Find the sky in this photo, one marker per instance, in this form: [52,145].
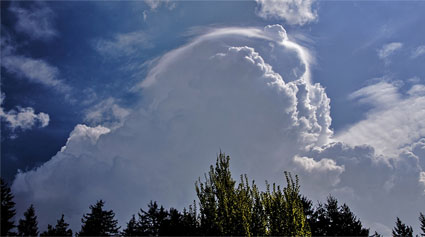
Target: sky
[130,101]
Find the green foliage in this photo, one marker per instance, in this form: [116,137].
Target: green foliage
[28,225]
[99,222]
[7,210]
[61,229]
[402,230]
[422,221]
[243,210]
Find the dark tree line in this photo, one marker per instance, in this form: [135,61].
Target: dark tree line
[225,208]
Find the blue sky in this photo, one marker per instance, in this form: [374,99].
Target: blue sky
[344,79]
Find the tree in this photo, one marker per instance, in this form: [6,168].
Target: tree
[223,208]
[61,229]
[7,209]
[28,225]
[132,228]
[284,209]
[402,230]
[422,220]
[227,209]
[99,222]
[332,220]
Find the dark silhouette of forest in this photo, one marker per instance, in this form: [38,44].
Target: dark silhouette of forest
[224,207]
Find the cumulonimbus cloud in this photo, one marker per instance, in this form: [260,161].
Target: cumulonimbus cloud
[247,91]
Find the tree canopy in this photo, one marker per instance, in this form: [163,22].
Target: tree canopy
[29,225]
[7,210]
[99,222]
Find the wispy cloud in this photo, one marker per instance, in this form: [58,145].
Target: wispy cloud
[294,12]
[123,44]
[34,70]
[36,21]
[419,51]
[389,49]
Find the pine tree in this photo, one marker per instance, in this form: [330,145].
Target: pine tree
[7,209]
[150,221]
[61,229]
[132,228]
[333,220]
[402,230]
[28,225]
[422,220]
[99,222]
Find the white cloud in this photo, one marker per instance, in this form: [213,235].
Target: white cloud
[294,12]
[389,49]
[422,179]
[107,112]
[36,22]
[379,94]
[154,4]
[394,121]
[22,118]
[247,91]
[222,90]
[123,44]
[34,70]
[419,51]
[324,165]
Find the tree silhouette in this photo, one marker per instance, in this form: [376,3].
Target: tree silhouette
[99,222]
[422,220]
[61,229]
[7,209]
[132,228]
[402,230]
[28,225]
[332,220]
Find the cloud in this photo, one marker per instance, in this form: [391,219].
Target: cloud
[36,22]
[22,118]
[34,70]
[419,51]
[154,4]
[249,92]
[370,180]
[394,121]
[107,112]
[294,12]
[389,49]
[221,90]
[123,44]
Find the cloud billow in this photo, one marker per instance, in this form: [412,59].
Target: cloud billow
[246,91]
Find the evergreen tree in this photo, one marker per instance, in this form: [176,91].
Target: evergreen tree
[150,221]
[7,209]
[422,220]
[333,220]
[99,222]
[402,230]
[132,228]
[28,225]
[61,229]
